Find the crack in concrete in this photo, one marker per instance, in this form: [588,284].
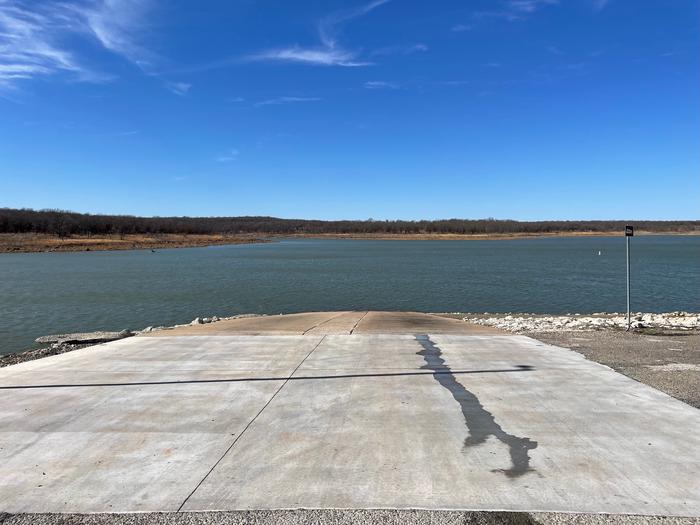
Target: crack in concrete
[479,421]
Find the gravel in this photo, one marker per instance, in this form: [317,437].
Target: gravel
[38,353]
[666,360]
[601,321]
[339,517]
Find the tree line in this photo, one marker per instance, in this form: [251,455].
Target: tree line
[66,223]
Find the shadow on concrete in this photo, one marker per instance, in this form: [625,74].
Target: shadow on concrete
[479,421]
[446,371]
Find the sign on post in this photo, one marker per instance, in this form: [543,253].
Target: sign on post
[629,232]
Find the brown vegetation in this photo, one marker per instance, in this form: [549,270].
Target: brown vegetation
[64,223]
[33,242]
[55,230]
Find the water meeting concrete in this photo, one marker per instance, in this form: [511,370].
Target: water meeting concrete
[341,419]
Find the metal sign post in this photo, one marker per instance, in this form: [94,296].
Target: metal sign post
[629,232]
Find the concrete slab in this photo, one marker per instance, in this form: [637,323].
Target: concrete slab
[333,323]
[342,323]
[419,323]
[292,324]
[381,421]
[131,425]
[440,421]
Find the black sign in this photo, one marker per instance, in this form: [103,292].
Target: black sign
[629,231]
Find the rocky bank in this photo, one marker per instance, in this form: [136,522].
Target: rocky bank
[578,322]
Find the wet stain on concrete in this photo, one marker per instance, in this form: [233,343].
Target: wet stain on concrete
[479,421]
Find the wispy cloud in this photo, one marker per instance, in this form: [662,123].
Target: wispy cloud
[529,6]
[329,27]
[599,5]
[329,53]
[513,10]
[31,44]
[285,100]
[410,85]
[179,88]
[229,157]
[120,25]
[400,50]
[318,56]
[380,84]
[35,38]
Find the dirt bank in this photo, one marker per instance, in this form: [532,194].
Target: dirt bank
[20,243]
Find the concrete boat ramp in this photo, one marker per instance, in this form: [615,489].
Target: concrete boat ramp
[340,410]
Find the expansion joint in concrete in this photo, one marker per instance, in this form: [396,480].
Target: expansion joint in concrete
[322,323]
[233,444]
[358,322]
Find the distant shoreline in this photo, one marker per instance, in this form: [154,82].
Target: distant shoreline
[33,243]
[468,236]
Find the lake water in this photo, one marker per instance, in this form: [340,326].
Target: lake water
[46,293]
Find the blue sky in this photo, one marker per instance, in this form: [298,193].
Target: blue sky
[522,109]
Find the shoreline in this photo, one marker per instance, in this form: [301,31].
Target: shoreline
[670,323]
[664,352]
[39,243]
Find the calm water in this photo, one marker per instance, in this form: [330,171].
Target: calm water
[61,292]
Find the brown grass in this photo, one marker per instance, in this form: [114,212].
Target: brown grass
[469,237]
[49,243]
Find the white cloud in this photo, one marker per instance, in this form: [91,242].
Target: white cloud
[35,36]
[329,53]
[516,9]
[285,100]
[529,6]
[379,84]
[119,25]
[328,28]
[179,88]
[318,56]
[30,43]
